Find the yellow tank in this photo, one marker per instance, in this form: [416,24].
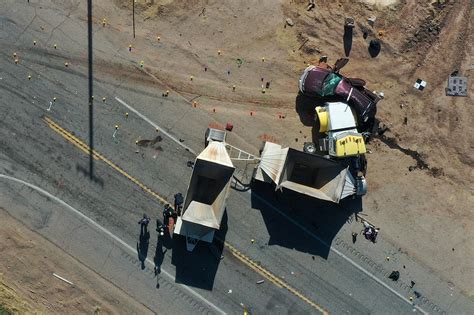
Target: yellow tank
[323,119]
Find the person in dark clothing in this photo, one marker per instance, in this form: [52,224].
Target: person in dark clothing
[142,245]
[370,232]
[144,223]
[178,203]
[167,213]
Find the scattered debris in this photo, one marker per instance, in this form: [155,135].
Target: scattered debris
[371,20]
[412,284]
[304,43]
[190,164]
[310,6]
[230,291]
[146,142]
[417,294]
[289,22]
[420,84]
[203,12]
[395,275]
[63,279]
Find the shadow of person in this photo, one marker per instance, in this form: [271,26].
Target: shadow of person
[142,245]
[159,255]
[374,48]
[347,40]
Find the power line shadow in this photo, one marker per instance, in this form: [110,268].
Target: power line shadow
[86,173]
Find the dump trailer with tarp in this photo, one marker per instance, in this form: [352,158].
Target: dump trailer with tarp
[205,201]
[309,174]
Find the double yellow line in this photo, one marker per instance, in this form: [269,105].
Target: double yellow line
[85,148]
[240,256]
[271,277]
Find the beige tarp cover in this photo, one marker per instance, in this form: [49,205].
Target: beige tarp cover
[208,189]
[305,173]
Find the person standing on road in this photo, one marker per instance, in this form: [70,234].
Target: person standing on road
[370,232]
[144,222]
[178,203]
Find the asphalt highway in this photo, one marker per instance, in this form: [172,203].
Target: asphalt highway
[44,135]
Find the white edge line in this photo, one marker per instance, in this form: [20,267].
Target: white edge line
[117,239]
[154,125]
[339,253]
[291,220]
[63,279]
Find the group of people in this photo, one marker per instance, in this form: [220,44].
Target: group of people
[169,213]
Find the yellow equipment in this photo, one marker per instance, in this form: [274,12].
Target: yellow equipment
[339,123]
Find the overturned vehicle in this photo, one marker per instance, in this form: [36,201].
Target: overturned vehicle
[327,84]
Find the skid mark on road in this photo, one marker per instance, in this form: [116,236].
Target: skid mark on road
[244,259]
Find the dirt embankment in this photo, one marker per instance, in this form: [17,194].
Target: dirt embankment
[27,284]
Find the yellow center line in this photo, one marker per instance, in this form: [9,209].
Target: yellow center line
[240,256]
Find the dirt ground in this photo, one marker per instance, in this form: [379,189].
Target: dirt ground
[420,170]
[27,284]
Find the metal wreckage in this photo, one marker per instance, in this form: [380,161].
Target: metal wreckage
[332,169]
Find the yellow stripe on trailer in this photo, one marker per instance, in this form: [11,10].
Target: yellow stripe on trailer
[350,145]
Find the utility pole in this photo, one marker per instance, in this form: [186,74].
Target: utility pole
[91,97]
[133,17]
